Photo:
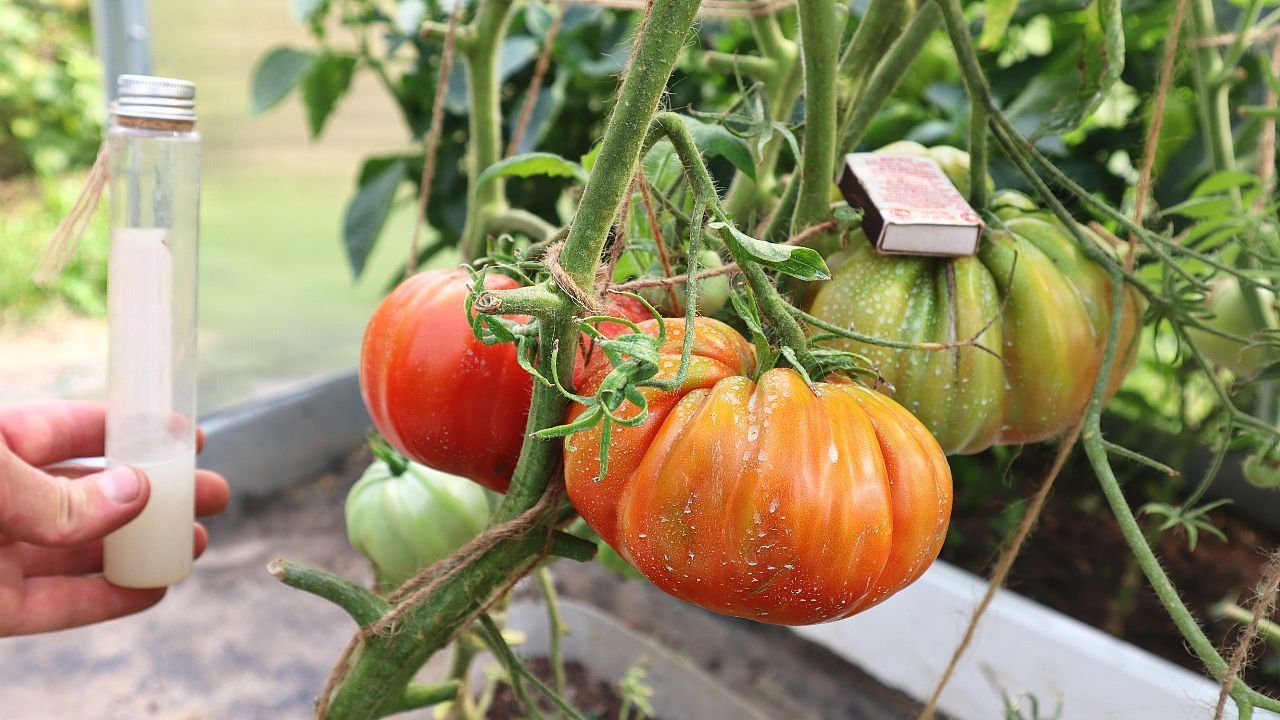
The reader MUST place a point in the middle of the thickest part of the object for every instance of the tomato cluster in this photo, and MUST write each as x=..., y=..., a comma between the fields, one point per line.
x=763, y=494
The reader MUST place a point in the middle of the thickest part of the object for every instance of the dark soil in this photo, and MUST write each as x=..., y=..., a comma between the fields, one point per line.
x=1076, y=561
x=589, y=695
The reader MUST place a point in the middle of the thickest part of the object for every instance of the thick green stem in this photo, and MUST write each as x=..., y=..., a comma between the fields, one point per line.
x=746, y=195
x=516, y=220
x=656, y=50
x=775, y=309
x=1215, y=111
x=420, y=695
x=979, y=99
x=879, y=27
x=383, y=666
x=557, y=629
x=535, y=300
x=484, y=143
x=888, y=74
x=819, y=46
x=540, y=458
x=363, y=606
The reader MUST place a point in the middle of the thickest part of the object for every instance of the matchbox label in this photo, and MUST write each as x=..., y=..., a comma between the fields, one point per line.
x=909, y=205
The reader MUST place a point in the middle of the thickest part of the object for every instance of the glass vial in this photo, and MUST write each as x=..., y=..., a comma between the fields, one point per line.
x=154, y=197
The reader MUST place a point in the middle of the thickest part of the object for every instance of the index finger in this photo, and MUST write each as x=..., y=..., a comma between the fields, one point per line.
x=51, y=432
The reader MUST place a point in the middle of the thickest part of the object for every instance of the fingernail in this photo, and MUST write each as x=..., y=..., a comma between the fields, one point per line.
x=120, y=484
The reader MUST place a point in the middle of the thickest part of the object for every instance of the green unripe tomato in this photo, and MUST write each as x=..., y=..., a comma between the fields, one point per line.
x=1262, y=471
x=1008, y=204
x=1230, y=314
x=713, y=292
x=404, y=523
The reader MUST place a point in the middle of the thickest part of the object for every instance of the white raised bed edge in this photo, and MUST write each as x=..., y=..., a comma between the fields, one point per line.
x=1020, y=647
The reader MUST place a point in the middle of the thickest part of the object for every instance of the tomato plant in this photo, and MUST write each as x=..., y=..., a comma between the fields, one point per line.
x=1036, y=304
x=767, y=499
x=403, y=517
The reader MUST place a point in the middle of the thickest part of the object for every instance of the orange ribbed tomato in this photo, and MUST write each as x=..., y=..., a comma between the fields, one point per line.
x=765, y=499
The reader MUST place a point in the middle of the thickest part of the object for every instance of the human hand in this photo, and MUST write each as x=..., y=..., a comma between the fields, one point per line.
x=52, y=520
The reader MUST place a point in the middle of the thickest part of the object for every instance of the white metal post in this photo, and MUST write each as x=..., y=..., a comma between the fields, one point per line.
x=122, y=31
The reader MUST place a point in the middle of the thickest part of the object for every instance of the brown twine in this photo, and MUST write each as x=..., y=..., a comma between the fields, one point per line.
x=1251, y=36
x=336, y=676
x=1157, y=123
x=1005, y=564
x=66, y=237
x=727, y=269
x=709, y=8
x=413, y=591
x=1262, y=608
x=1267, y=139
x=656, y=229
x=566, y=283
x=535, y=85
x=433, y=136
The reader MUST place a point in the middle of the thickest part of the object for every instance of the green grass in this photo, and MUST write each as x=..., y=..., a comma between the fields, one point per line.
x=32, y=209
x=278, y=304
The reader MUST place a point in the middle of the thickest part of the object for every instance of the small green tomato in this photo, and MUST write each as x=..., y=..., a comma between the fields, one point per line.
x=404, y=523
x=1230, y=314
x=1262, y=471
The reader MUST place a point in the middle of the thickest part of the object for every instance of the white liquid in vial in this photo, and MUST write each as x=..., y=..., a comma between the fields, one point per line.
x=154, y=549
x=145, y=429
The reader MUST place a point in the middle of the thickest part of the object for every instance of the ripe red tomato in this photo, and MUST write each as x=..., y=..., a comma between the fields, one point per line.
x=764, y=499
x=440, y=396
x=436, y=393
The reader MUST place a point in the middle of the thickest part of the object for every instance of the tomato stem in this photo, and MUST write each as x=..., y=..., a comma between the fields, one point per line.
x=887, y=75
x=486, y=31
x=363, y=606
x=979, y=99
x=783, y=87
x=536, y=300
x=819, y=46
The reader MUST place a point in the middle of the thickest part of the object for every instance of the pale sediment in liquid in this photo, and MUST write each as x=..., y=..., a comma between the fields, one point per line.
x=155, y=548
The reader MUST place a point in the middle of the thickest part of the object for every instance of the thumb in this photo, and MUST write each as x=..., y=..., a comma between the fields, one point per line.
x=52, y=511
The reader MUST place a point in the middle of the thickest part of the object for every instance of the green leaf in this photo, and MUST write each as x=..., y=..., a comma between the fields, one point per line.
x=277, y=73
x=532, y=164
x=367, y=212
x=1203, y=208
x=799, y=262
x=306, y=10
x=328, y=81
x=715, y=140
x=999, y=13
x=1225, y=180
x=1101, y=62
x=516, y=52
x=662, y=165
